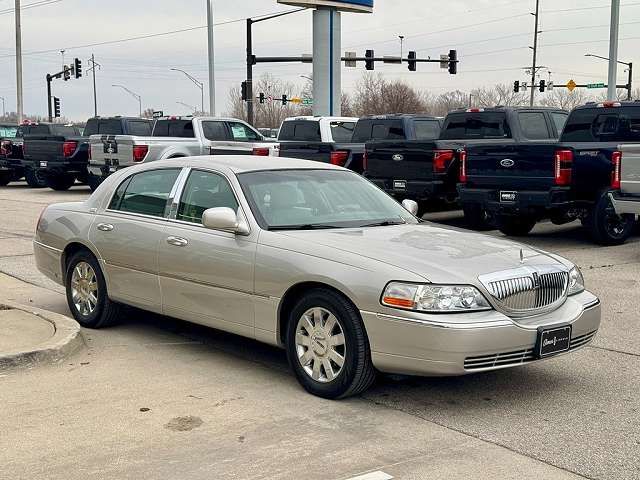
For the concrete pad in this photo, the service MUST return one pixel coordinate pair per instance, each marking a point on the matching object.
(19, 329)
(16, 246)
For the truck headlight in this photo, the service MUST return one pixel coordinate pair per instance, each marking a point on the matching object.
(576, 281)
(434, 298)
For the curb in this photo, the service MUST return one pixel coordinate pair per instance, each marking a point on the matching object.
(65, 340)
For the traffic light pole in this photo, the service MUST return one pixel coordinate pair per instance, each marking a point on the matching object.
(49, 78)
(535, 53)
(629, 90)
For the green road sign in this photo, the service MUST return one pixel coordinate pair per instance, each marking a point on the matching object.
(596, 85)
(307, 101)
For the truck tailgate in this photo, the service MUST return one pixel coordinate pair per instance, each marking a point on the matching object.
(43, 147)
(526, 166)
(400, 160)
(630, 172)
(112, 150)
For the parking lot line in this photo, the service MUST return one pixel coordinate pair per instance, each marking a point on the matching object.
(379, 475)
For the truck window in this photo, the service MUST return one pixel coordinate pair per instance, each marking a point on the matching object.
(91, 128)
(173, 128)
(214, 131)
(110, 127)
(534, 125)
(65, 130)
(603, 125)
(32, 130)
(242, 133)
(462, 126)
(378, 129)
(426, 129)
(300, 130)
(139, 128)
(559, 119)
(342, 132)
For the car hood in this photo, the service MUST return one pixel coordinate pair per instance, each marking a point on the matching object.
(439, 254)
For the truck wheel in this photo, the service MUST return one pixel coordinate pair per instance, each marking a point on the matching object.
(5, 178)
(34, 179)
(476, 217)
(61, 182)
(93, 181)
(515, 226)
(606, 226)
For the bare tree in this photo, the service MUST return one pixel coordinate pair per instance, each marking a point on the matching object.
(499, 94)
(375, 95)
(563, 98)
(444, 103)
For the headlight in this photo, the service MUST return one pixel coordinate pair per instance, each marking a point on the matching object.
(434, 298)
(576, 281)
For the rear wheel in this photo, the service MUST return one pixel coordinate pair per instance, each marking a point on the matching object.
(34, 178)
(327, 346)
(606, 226)
(476, 217)
(516, 226)
(94, 181)
(87, 292)
(61, 182)
(5, 178)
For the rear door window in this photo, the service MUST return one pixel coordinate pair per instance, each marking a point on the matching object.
(173, 128)
(603, 125)
(145, 193)
(559, 119)
(242, 133)
(215, 131)
(534, 125)
(468, 125)
(342, 132)
(426, 129)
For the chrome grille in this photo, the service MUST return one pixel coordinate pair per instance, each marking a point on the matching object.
(528, 290)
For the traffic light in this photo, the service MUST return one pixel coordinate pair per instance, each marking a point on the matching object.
(66, 73)
(284, 100)
(516, 86)
(453, 62)
(261, 97)
(543, 85)
(369, 63)
(412, 61)
(56, 107)
(244, 90)
(77, 67)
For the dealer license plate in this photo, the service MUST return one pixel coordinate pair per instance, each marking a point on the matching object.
(400, 184)
(43, 164)
(508, 197)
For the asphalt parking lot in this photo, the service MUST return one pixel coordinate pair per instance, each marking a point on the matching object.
(158, 398)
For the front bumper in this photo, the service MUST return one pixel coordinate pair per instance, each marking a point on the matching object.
(434, 345)
(625, 204)
(526, 201)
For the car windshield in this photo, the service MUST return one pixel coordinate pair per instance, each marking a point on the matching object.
(317, 199)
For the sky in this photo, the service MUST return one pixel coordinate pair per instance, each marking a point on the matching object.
(492, 39)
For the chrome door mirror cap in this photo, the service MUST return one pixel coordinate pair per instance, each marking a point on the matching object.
(410, 206)
(224, 218)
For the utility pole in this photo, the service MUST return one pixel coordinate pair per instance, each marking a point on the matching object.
(19, 103)
(4, 110)
(535, 52)
(401, 37)
(613, 49)
(94, 64)
(212, 77)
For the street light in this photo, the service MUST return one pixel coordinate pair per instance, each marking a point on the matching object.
(197, 82)
(629, 69)
(133, 94)
(193, 108)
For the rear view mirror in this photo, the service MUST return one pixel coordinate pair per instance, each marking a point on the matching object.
(224, 218)
(410, 206)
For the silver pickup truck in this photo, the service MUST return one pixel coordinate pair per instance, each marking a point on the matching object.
(174, 137)
(627, 199)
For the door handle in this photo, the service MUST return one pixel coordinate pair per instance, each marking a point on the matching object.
(105, 227)
(177, 241)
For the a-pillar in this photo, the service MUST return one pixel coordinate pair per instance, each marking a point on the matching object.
(327, 85)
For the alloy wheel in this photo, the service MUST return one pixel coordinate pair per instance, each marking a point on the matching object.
(84, 288)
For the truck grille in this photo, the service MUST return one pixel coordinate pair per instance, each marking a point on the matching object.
(528, 290)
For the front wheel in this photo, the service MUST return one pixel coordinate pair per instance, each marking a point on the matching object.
(87, 292)
(61, 183)
(476, 217)
(606, 226)
(94, 181)
(327, 346)
(513, 226)
(5, 178)
(34, 178)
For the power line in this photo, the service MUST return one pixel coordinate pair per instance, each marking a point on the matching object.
(41, 3)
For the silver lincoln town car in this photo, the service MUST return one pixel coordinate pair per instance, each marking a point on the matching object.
(313, 258)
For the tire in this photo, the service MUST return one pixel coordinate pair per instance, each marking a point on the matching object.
(605, 225)
(34, 179)
(61, 183)
(93, 181)
(515, 226)
(104, 312)
(356, 373)
(476, 217)
(5, 178)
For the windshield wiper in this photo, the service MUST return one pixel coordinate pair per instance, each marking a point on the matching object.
(308, 226)
(384, 223)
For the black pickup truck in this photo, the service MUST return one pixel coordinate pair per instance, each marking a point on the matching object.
(7, 136)
(426, 169)
(61, 156)
(522, 183)
(12, 153)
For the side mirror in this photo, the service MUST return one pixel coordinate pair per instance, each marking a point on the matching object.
(224, 218)
(410, 206)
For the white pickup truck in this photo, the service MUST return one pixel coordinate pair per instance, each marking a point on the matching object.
(627, 199)
(174, 137)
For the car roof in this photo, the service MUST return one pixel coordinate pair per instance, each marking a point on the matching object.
(622, 103)
(394, 116)
(501, 108)
(317, 119)
(243, 163)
